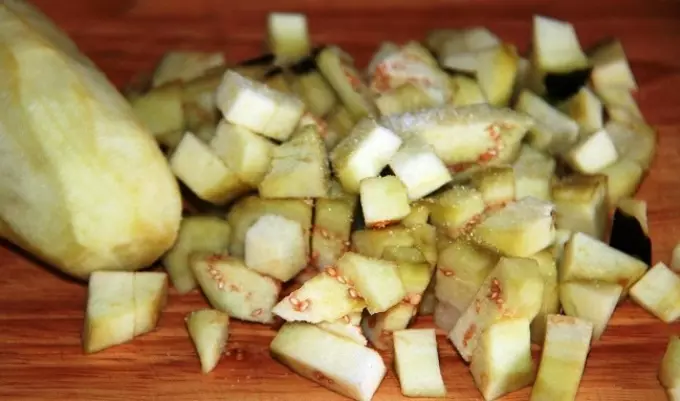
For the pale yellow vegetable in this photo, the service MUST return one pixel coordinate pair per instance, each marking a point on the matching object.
(83, 185)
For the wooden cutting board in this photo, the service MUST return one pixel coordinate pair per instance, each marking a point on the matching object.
(41, 312)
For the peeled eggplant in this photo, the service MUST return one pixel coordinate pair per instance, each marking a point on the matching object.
(83, 186)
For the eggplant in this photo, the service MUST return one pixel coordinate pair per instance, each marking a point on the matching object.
(563, 85)
(557, 57)
(629, 230)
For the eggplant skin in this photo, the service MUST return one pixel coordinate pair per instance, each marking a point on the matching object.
(83, 186)
(261, 60)
(304, 66)
(628, 236)
(273, 72)
(561, 86)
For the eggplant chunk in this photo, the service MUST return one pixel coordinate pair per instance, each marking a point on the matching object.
(519, 229)
(233, 288)
(348, 327)
(496, 73)
(429, 302)
(623, 179)
(160, 109)
(636, 142)
(420, 214)
(558, 58)
(581, 204)
(334, 362)
(288, 37)
(467, 137)
(377, 281)
(340, 121)
(561, 238)
(200, 169)
(275, 246)
(405, 98)
(502, 362)
(299, 168)
(554, 131)
(513, 288)
(419, 168)
(186, 66)
(533, 174)
(373, 243)
(669, 374)
(196, 233)
(249, 155)
(675, 260)
(610, 67)
(586, 258)
(594, 302)
(363, 154)
(566, 347)
(258, 107)
(199, 102)
(417, 363)
(456, 210)
(586, 109)
(465, 91)
(593, 153)
(246, 211)
(209, 331)
(629, 230)
(458, 49)
(446, 315)
(551, 297)
(308, 83)
(379, 327)
(338, 69)
(333, 218)
(384, 200)
(658, 292)
(323, 298)
(462, 268)
(496, 184)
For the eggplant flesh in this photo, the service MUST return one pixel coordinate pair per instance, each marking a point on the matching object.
(629, 236)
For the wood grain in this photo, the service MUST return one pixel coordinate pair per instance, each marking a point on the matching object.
(41, 313)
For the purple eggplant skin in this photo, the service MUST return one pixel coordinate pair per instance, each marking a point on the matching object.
(561, 86)
(628, 236)
(304, 66)
(264, 59)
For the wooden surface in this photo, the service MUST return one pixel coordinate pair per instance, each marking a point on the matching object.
(41, 314)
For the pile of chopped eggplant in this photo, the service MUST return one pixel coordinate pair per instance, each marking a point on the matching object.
(453, 176)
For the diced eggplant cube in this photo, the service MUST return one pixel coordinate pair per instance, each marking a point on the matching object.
(581, 204)
(658, 291)
(363, 154)
(417, 363)
(384, 201)
(593, 153)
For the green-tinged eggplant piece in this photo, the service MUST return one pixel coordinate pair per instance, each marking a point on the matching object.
(311, 87)
(559, 63)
